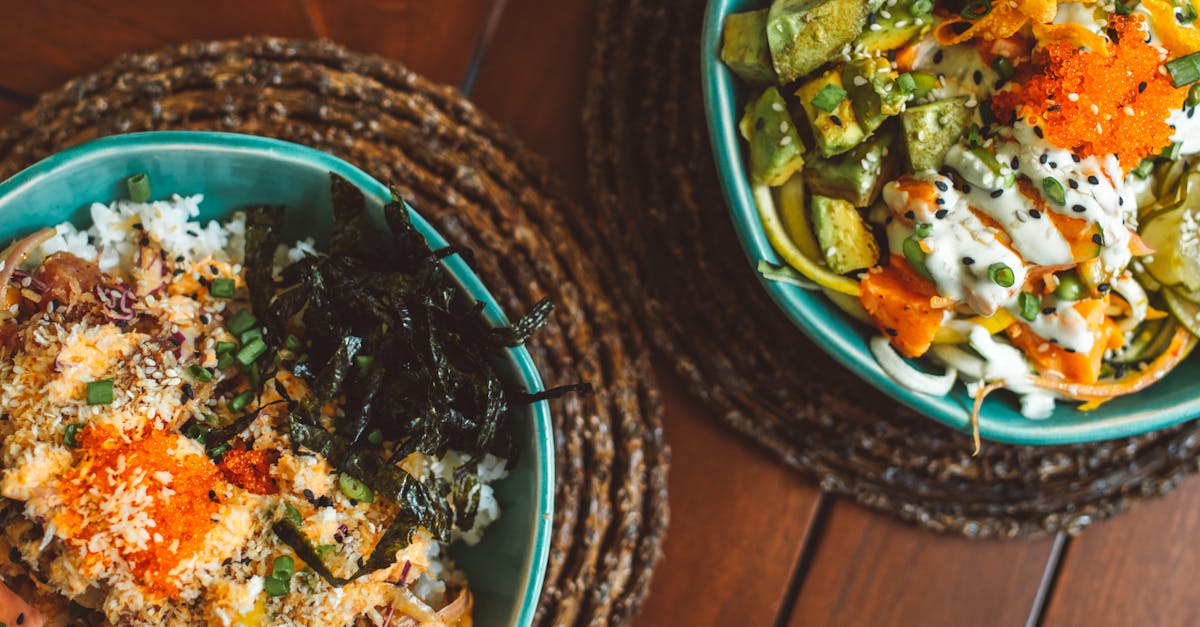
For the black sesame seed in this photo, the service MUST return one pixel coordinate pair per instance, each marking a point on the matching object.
(1053, 107)
(938, 56)
(977, 77)
(145, 241)
(1035, 214)
(1093, 180)
(308, 494)
(1037, 130)
(888, 220)
(892, 332)
(177, 271)
(245, 561)
(353, 503)
(1015, 163)
(1073, 183)
(836, 120)
(1048, 310)
(204, 319)
(3, 417)
(1069, 350)
(228, 562)
(1079, 209)
(1121, 201)
(910, 215)
(21, 618)
(939, 200)
(189, 392)
(1053, 341)
(1098, 239)
(996, 193)
(966, 188)
(941, 213)
(179, 259)
(1043, 159)
(1103, 288)
(1053, 165)
(1142, 86)
(1075, 158)
(942, 186)
(760, 124)
(968, 261)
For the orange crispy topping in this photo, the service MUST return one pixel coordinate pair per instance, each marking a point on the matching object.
(1092, 102)
(1003, 21)
(111, 471)
(250, 470)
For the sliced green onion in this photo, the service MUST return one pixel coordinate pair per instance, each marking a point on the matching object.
(1004, 68)
(250, 336)
(1125, 8)
(1186, 13)
(921, 7)
(69, 435)
(375, 437)
(1054, 190)
(239, 402)
(1001, 275)
(1069, 286)
(355, 489)
(293, 344)
(916, 256)
(1193, 99)
(225, 361)
(251, 352)
(221, 288)
(100, 392)
(1184, 70)
(923, 229)
(975, 136)
(283, 567)
(196, 432)
(199, 373)
(906, 83)
(293, 514)
(254, 374)
(217, 451)
(139, 187)
(976, 9)
(275, 587)
(225, 347)
(829, 98)
(241, 322)
(1173, 151)
(325, 549)
(1030, 305)
(1145, 168)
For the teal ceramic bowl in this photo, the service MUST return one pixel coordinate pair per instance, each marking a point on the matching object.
(1172, 400)
(232, 171)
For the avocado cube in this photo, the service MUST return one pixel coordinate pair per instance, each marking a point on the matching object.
(805, 34)
(846, 242)
(857, 176)
(874, 94)
(776, 152)
(834, 131)
(931, 129)
(745, 48)
(891, 29)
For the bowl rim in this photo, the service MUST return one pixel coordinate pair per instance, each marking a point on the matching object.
(719, 91)
(543, 434)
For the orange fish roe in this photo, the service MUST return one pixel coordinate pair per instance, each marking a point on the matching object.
(250, 470)
(1099, 102)
(146, 502)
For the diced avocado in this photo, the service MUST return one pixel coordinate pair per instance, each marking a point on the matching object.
(776, 151)
(805, 34)
(745, 49)
(858, 175)
(892, 28)
(931, 129)
(837, 130)
(845, 240)
(874, 94)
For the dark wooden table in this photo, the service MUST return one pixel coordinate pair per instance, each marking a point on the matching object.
(750, 545)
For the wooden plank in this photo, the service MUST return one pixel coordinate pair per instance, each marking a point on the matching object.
(869, 569)
(1139, 568)
(739, 521)
(44, 43)
(437, 39)
(532, 79)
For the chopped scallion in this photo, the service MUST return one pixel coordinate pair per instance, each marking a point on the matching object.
(251, 352)
(1001, 275)
(100, 392)
(906, 83)
(916, 256)
(283, 567)
(1004, 68)
(293, 514)
(225, 361)
(241, 322)
(829, 98)
(375, 437)
(225, 347)
(1173, 151)
(221, 288)
(293, 344)
(976, 9)
(1144, 169)
(69, 436)
(1054, 190)
(921, 7)
(275, 587)
(139, 187)
(1184, 70)
(199, 373)
(217, 451)
(923, 229)
(1193, 99)
(250, 336)
(1069, 286)
(355, 489)
(1030, 304)
(239, 402)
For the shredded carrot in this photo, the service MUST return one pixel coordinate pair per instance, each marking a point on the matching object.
(250, 470)
(1115, 103)
(178, 501)
(979, 396)
(1181, 345)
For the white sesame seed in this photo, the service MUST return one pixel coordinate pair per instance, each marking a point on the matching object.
(1073, 96)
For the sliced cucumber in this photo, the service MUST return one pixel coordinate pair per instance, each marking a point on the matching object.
(1185, 311)
(1150, 340)
(1176, 260)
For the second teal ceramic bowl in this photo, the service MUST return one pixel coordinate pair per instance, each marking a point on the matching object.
(1172, 400)
(233, 171)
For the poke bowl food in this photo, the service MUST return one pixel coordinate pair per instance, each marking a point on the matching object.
(1004, 191)
(203, 424)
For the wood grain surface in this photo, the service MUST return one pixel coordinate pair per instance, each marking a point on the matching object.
(751, 543)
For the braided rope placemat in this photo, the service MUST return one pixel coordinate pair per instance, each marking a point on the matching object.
(482, 190)
(664, 220)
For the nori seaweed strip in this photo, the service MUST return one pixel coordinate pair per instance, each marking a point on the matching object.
(216, 436)
(264, 234)
(350, 225)
(411, 248)
(294, 537)
(523, 329)
(357, 421)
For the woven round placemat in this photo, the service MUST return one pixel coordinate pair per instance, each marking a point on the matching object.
(482, 190)
(663, 217)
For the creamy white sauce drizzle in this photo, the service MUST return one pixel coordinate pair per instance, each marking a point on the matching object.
(960, 68)
(1186, 122)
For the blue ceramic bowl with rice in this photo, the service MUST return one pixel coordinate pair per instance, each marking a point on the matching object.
(506, 569)
(1170, 401)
